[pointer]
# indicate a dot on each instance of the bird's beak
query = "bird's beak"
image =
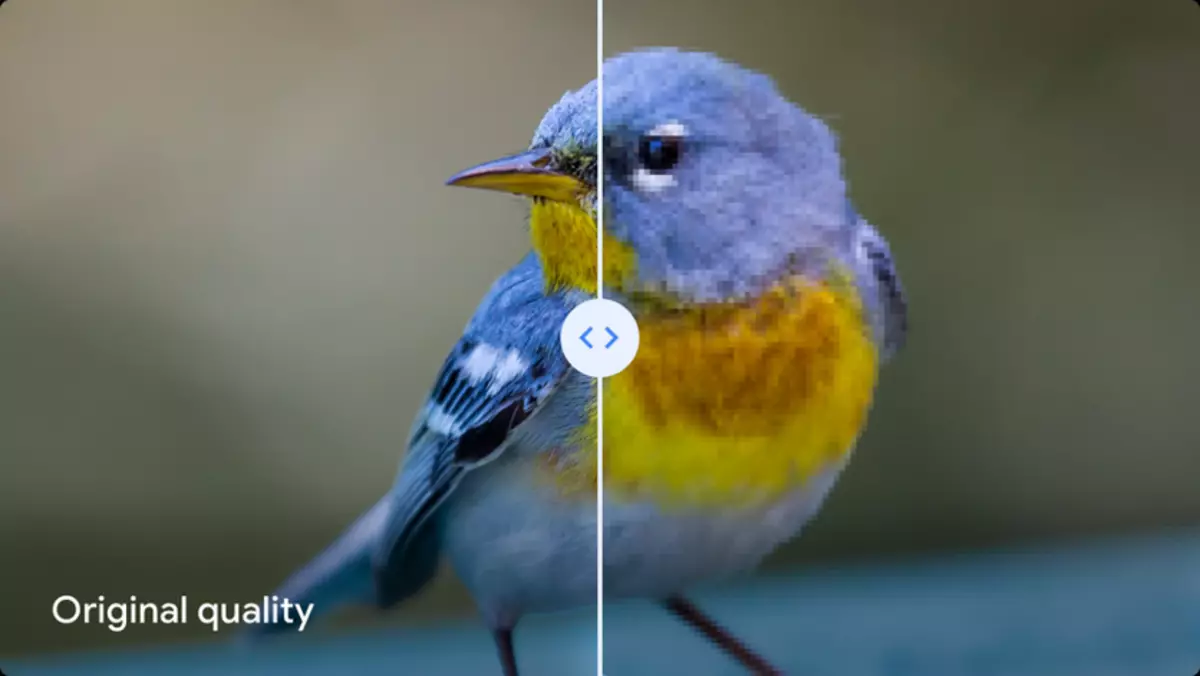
(528, 173)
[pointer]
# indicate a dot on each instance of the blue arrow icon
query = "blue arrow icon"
(614, 337)
(584, 337)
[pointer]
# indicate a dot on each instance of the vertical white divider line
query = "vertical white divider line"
(599, 294)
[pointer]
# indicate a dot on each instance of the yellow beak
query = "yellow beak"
(527, 173)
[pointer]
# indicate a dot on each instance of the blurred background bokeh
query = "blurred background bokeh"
(228, 269)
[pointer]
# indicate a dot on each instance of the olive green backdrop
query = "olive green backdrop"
(228, 269)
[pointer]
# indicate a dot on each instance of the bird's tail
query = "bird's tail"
(339, 576)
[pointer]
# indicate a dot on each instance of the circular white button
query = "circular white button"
(599, 338)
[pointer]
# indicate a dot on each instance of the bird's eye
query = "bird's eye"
(659, 154)
(650, 164)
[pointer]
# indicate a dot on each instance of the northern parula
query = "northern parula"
(765, 303)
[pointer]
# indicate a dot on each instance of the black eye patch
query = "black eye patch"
(617, 157)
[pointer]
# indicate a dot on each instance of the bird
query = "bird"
(766, 305)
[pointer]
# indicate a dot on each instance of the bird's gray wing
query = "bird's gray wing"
(503, 368)
(885, 296)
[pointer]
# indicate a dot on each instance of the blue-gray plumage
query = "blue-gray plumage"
(498, 374)
(881, 288)
(719, 190)
(723, 222)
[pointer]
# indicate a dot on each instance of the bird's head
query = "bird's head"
(715, 188)
(716, 181)
(558, 173)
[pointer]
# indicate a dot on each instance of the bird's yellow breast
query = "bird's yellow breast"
(738, 403)
(725, 403)
(564, 237)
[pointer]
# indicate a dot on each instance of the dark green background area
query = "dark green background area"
(228, 269)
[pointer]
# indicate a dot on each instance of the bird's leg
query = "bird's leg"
(504, 647)
(688, 612)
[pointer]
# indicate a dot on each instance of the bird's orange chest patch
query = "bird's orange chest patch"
(740, 402)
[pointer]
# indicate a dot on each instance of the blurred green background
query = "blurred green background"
(228, 269)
